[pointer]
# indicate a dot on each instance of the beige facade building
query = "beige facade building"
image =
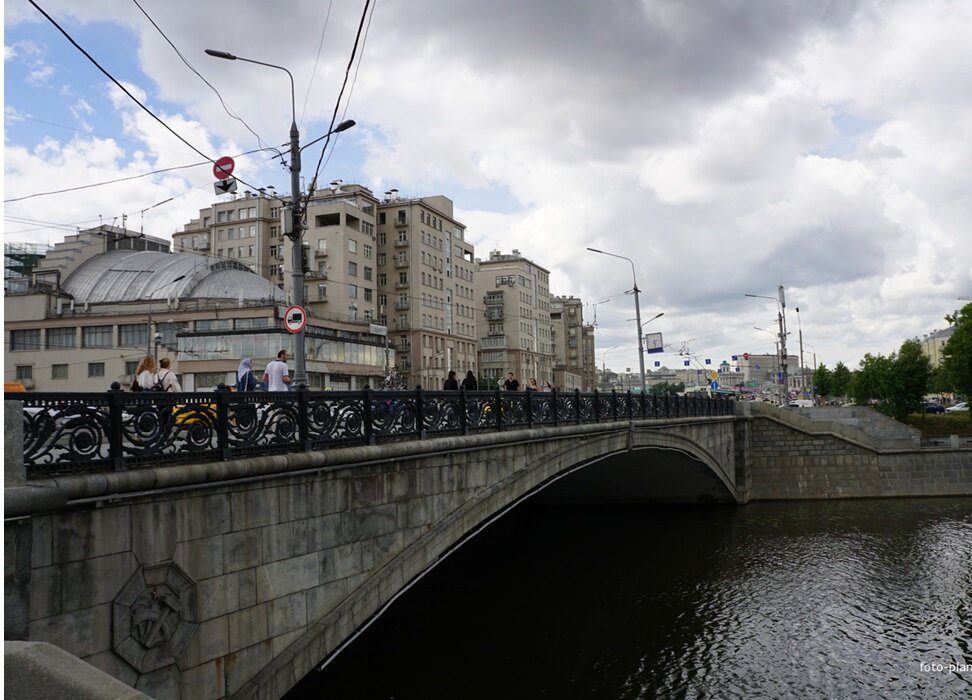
(397, 262)
(934, 344)
(567, 338)
(515, 333)
(103, 299)
(426, 294)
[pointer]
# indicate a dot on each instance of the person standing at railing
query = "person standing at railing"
(451, 384)
(470, 383)
(547, 386)
(145, 375)
(277, 376)
(245, 379)
(170, 382)
(511, 384)
(533, 386)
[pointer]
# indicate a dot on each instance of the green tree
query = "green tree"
(841, 380)
(823, 381)
(957, 366)
(870, 380)
(908, 381)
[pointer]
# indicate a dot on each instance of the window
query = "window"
(352, 269)
(322, 291)
(367, 251)
(352, 245)
(368, 294)
(219, 324)
(381, 236)
(403, 278)
(367, 273)
(96, 369)
(381, 258)
(209, 380)
(131, 367)
(382, 279)
(133, 335)
(59, 371)
(381, 221)
(24, 372)
(96, 337)
(322, 245)
(352, 291)
(403, 236)
(61, 338)
(25, 340)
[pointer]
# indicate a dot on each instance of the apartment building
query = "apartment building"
(567, 333)
(514, 330)
(426, 294)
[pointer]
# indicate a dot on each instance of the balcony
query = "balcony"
(401, 244)
(401, 305)
(200, 245)
(320, 253)
(401, 285)
(401, 221)
(497, 342)
(400, 264)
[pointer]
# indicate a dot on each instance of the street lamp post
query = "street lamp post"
(296, 212)
(780, 300)
(803, 378)
(636, 292)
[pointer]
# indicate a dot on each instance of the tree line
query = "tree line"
(900, 381)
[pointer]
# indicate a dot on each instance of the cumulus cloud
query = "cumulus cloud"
(823, 146)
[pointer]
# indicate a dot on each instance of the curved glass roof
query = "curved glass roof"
(141, 275)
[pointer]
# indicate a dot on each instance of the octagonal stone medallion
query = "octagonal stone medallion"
(154, 616)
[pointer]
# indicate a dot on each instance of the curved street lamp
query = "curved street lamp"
(296, 234)
(636, 292)
(781, 318)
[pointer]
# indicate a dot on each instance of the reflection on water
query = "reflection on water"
(813, 599)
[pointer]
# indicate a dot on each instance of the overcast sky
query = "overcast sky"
(726, 147)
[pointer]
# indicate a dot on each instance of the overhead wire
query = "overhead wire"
(210, 85)
(130, 177)
(337, 104)
(317, 60)
(125, 90)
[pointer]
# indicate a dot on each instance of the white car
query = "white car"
(960, 406)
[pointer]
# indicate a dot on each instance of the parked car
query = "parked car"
(932, 407)
(960, 406)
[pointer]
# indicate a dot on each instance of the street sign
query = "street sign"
(223, 168)
(295, 318)
(714, 385)
(227, 186)
(745, 355)
(713, 375)
(653, 342)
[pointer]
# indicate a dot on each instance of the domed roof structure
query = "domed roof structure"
(143, 275)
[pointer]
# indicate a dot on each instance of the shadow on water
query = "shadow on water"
(811, 599)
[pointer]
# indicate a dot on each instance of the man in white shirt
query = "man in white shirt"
(277, 376)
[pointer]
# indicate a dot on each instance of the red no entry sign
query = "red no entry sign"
(223, 168)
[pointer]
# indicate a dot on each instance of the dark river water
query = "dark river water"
(838, 599)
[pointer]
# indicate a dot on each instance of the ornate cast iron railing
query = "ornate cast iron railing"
(121, 430)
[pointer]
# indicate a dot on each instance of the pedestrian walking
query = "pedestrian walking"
(277, 376)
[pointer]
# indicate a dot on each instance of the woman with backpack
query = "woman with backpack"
(146, 375)
(167, 378)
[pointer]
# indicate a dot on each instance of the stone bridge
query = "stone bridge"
(235, 579)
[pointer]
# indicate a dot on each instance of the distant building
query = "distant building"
(398, 262)
(567, 338)
(934, 344)
(101, 300)
(515, 330)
